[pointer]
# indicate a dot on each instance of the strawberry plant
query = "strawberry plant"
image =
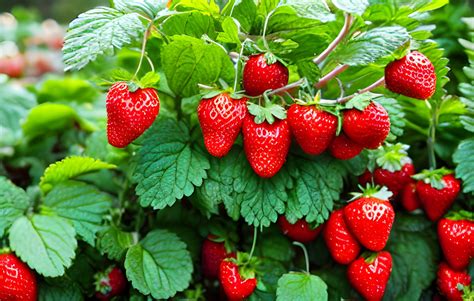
(241, 149)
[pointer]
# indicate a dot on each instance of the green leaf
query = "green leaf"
(308, 69)
(360, 101)
(99, 31)
(149, 8)
(69, 168)
(411, 236)
(244, 11)
(396, 114)
(114, 242)
(169, 165)
(67, 90)
(52, 117)
(276, 247)
(194, 24)
(310, 9)
(208, 6)
(302, 287)
(16, 102)
(13, 203)
(159, 265)
(230, 32)
(371, 45)
(315, 189)
(352, 6)
(149, 79)
(58, 289)
(82, 204)
(46, 243)
(464, 157)
(188, 61)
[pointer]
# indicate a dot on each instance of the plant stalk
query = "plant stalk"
(342, 100)
(335, 72)
(344, 31)
(431, 140)
(306, 257)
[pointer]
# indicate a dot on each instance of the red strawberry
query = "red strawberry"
(110, 284)
(129, 114)
(212, 254)
(313, 128)
(17, 281)
(409, 198)
(343, 148)
(369, 127)
(395, 181)
(260, 76)
(342, 246)
(300, 231)
(436, 201)
(221, 119)
(456, 238)
(235, 286)
(450, 281)
(413, 76)
(370, 220)
(370, 276)
(266, 145)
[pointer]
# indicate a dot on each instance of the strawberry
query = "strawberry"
(313, 128)
(263, 72)
(221, 119)
(129, 114)
(342, 246)
(343, 148)
(409, 198)
(370, 219)
(212, 254)
(266, 145)
(369, 127)
(17, 281)
(110, 283)
(300, 231)
(413, 76)
(451, 283)
(456, 238)
(437, 191)
(394, 170)
(236, 287)
(369, 276)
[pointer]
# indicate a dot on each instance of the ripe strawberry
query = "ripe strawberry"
(456, 238)
(17, 281)
(129, 114)
(300, 231)
(342, 246)
(266, 145)
(259, 75)
(369, 127)
(370, 220)
(409, 198)
(236, 286)
(343, 148)
(413, 76)
(110, 284)
(395, 181)
(313, 128)
(221, 119)
(437, 195)
(450, 282)
(212, 254)
(370, 276)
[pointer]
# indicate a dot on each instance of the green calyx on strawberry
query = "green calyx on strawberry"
(237, 276)
(17, 280)
(456, 237)
(370, 217)
(366, 124)
(389, 166)
(413, 76)
(313, 127)
(263, 72)
(221, 118)
(267, 138)
(437, 190)
(369, 274)
(110, 283)
(131, 109)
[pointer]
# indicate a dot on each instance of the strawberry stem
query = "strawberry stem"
(335, 72)
(430, 141)
(142, 52)
(342, 100)
(344, 31)
(265, 43)
(287, 87)
(239, 58)
(254, 243)
(306, 257)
